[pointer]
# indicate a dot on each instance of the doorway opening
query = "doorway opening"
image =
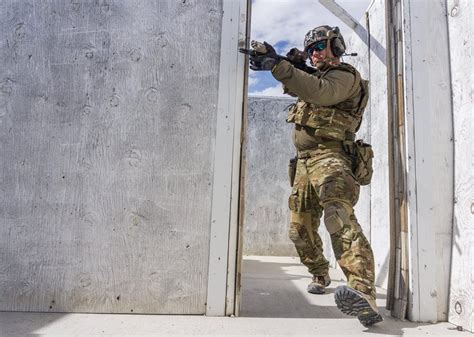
(273, 281)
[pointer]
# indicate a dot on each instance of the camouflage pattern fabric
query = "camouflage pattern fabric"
(324, 183)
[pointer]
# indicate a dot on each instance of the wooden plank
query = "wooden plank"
(240, 97)
(243, 173)
(392, 137)
(399, 249)
(229, 94)
(379, 190)
(429, 118)
(461, 31)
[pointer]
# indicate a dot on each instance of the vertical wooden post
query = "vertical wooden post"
(227, 161)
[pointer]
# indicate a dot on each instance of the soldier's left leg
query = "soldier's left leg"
(338, 192)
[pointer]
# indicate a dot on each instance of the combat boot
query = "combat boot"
(318, 284)
(355, 303)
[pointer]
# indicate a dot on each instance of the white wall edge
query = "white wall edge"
(240, 107)
(423, 301)
(230, 69)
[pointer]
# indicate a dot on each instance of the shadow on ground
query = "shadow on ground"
(278, 290)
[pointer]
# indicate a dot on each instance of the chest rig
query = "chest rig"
(337, 122)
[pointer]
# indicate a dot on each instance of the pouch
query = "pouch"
(292, 170)
(363, 155)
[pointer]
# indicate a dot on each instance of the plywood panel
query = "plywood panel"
(461, 32)
(430, 156)
(223, 238)
(379, 210)
(107, 122)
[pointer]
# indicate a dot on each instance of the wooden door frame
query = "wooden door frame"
(224, 229)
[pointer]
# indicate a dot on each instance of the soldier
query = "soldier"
(326, 115)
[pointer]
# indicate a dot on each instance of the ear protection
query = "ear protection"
(336, 42)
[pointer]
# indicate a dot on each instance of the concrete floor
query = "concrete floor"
(274, 303)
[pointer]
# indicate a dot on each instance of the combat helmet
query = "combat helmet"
(336, 41)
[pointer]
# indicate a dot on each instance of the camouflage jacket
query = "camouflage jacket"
(330, 105)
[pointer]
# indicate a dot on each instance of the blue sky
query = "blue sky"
(283, 23)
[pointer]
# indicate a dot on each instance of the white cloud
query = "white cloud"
(276, 91)
(289, 20)
(253, 79)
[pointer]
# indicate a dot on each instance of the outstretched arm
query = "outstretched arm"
(335, 87)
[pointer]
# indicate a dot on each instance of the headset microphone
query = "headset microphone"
(351, 54)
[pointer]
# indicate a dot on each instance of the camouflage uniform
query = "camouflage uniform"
(326, 116)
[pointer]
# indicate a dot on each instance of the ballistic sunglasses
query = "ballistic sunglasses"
(317, 46)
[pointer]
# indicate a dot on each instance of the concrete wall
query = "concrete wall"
(268, 148)
(107, 127)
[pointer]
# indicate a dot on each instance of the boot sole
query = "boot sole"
(353, 304)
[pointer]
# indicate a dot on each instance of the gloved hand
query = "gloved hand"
(297, 57)
(265, 61)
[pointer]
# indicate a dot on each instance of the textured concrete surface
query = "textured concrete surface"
(268, 149)
(107, 130)
(275, 303)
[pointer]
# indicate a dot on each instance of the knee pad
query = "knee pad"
(300, 223)
(294, 232)
(295, 235)
(335, 216)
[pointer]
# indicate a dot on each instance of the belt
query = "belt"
(319, 149)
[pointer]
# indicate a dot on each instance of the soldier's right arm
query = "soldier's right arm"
(336, 86)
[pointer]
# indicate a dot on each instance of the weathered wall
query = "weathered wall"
(429, 133)
(268, 149)
(461, 32)
(375, 130)
(107, 123)
(379, 208)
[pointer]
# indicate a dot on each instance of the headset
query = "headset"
(336, 42)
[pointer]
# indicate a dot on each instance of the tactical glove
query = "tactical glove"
(298, 59)
(264, 61)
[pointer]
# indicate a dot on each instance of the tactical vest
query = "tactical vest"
(337, 122)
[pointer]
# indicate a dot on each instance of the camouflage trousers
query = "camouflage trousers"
(324, 183)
